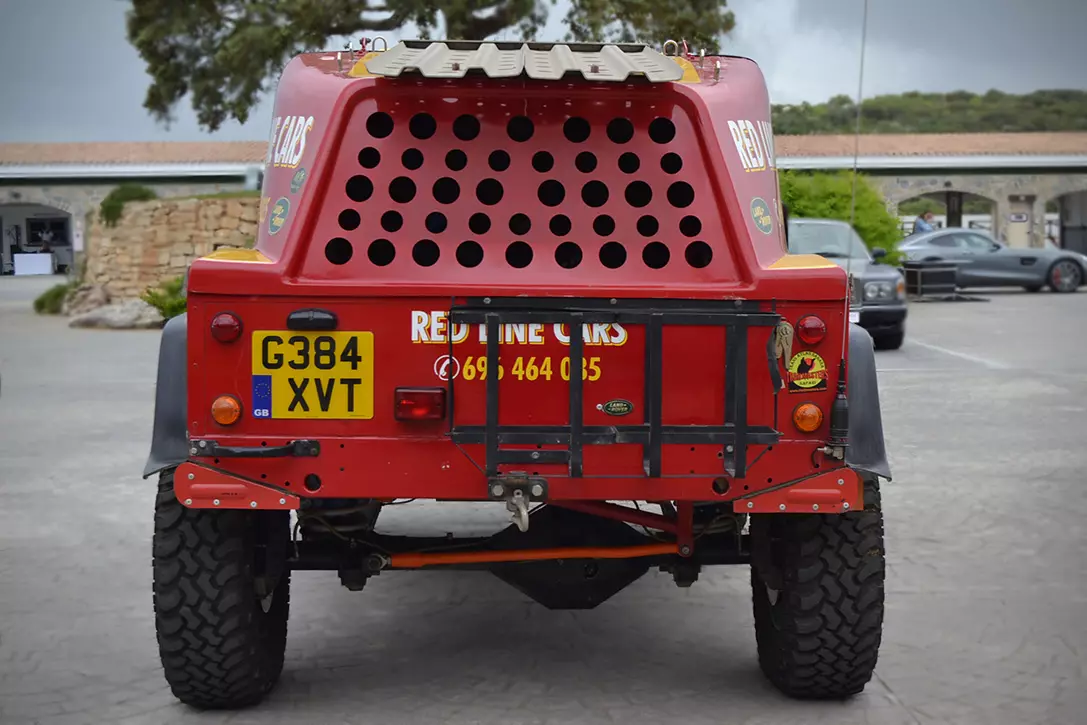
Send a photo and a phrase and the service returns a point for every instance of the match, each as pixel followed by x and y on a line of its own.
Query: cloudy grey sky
pixel 68 74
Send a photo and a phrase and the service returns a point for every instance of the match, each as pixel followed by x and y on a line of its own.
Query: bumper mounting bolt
pixel 841 481
pixel 188 502
pixel 781 507
pixel 216 502
pixel 685 550
pixel 203 444
pixel 815 507
pixel 496 490
pixel 751 504
pixel 192 451
pixel 252 504
pixel 845 505
pixel 192 476
pixel 537 490
pixel 282 501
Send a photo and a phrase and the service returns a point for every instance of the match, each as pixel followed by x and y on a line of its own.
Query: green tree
pixel 225 54
pixel 821 195
pixel 956 112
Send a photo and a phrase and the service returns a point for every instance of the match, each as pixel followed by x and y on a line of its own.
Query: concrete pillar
pixel 1037 223
pixel 1016 216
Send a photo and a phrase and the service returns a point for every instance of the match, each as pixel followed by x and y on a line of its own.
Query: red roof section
pixel 252 152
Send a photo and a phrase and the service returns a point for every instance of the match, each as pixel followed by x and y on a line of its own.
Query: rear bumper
pixel 883 318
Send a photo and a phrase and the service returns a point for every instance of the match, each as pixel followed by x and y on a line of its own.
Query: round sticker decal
pixel 760 213
pixel 278 216
pixel 297 180
pixel 806 373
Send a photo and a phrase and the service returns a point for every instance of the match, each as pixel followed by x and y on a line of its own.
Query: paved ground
pixel 987 587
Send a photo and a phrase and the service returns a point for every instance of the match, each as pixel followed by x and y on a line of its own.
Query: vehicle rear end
pixel 562 289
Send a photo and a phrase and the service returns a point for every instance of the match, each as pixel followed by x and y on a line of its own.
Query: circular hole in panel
pixel 359 188
pixel 379 125
pixel 391 221
pixel 412 159
pixel 576 129
pixel 662 130
pixel 466 127
pixel 425 252
pixel 639 194
pixel 469 254
pixel 369 157
pixel 422 125
pixel 568 255
pixel 595 194
pixel 604 225
pixel 680 194
pixel 446 190
pixel 551 193
pixel 656 255
pixel 479 223
pixel 560 225
pixel 520 224
pixel 519 255
pixel 585 162
pixel 456 160
pixel 620 130
pixel 381 252
pixel 402 189
pixel 698 254
pixel 648 226
pixel 613 255
pixel 436 222
pixel 629 163
pixel 690 226
pixel 499 160
pixel 520 129
pixel 349 220
pixel 489 191
pixel 339 251
pixel 543 161
pixel 671 163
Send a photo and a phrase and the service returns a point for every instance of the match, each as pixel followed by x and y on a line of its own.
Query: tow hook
pixel 518 490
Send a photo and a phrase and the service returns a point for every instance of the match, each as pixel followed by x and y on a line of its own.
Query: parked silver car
pixel 883 309
pixel 985 262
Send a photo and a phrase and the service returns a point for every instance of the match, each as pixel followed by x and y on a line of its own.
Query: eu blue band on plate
pixel 262 396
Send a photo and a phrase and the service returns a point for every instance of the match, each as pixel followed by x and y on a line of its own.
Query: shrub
pixel 824 195
pixel 111 207
pixel 51 301
pixel 167 299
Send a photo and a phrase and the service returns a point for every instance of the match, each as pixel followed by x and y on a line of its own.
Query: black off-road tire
pixel 818 636
pixel 221 645
pixel 889 340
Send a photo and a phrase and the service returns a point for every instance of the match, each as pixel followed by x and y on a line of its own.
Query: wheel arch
pixel 169 436
pixel 867 450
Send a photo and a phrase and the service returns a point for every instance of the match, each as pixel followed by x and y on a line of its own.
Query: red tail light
pixel 226 327
pixel 420 403
pixel 811 329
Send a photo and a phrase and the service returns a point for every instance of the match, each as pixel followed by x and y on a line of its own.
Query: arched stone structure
pixel 1015 194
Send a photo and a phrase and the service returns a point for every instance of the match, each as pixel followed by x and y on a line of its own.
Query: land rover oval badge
pixel 617 407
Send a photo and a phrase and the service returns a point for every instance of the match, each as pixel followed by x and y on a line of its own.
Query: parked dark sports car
pixel 986 262
pixel 883 310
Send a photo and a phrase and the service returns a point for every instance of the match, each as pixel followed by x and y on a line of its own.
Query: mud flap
pixel 866 451
pixel 170 439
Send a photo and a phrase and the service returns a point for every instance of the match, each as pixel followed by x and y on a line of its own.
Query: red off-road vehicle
pixel 552 277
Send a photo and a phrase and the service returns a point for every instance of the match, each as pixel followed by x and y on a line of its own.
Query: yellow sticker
pixel 806 373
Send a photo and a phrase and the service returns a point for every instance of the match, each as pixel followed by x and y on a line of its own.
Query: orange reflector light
pixel 811 329
pixel 226 410
pixel 420 403
pixel 807 417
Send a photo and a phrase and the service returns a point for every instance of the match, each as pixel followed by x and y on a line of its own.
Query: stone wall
pixel 155 240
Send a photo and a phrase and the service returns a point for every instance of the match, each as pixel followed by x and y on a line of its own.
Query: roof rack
pixel 604 62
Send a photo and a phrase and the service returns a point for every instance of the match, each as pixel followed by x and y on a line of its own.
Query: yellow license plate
pixel 313 374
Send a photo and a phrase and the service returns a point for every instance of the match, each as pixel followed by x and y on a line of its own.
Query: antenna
pixel 856 160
